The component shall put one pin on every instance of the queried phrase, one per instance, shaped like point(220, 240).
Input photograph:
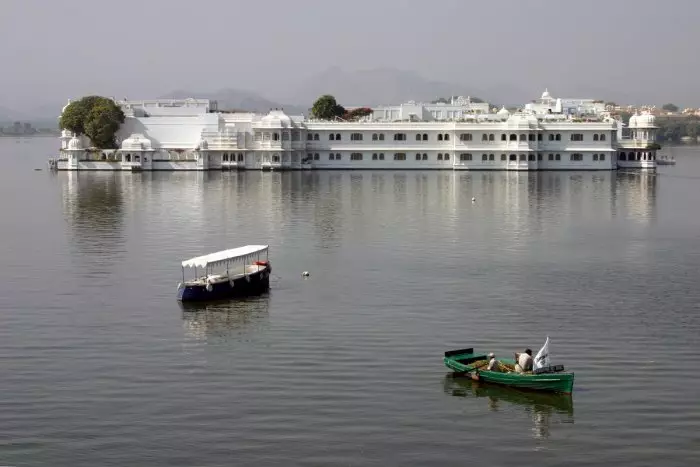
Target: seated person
point(523, 361)
point(493, 363)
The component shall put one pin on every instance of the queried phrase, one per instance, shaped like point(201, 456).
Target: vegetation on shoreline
point(99, 118)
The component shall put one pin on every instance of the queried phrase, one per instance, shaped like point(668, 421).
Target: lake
point(101, 366)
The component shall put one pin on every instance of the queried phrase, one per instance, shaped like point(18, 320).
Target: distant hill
point(386, 86)
point(235, 99)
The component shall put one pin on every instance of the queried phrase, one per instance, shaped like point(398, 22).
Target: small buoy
point(473, 199)
point(305, 274)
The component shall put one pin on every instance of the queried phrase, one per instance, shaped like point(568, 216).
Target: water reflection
point(634, 194)
point(545, 409)
point(225, 319)
point(94, 207)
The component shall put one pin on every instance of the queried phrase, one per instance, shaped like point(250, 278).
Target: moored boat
point(245, 271)
point(665, 160)
point(551, 378)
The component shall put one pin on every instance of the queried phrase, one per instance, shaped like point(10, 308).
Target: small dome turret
point(503, 112)
point(137, 142)
point(633, 121)
point(646, 120)
point(276, 119)
point(75, 144)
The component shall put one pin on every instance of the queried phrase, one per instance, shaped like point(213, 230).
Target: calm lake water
point(101, 366)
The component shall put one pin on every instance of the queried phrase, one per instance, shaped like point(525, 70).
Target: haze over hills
point(379, 86)
point(236, 99)
point(370, 87)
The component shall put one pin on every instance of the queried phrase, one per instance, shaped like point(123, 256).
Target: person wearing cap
point(524, 361)
point(493, 363)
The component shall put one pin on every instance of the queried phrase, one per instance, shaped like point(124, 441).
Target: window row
point(440, 137)
point(638, 156)
point(275, 136)
point(226, 157)
point(465, 157)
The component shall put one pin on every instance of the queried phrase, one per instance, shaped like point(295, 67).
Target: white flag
point(542, 357)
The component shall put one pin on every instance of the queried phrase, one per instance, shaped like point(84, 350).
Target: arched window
point(374, 137)
point(440, 156)
point(503, 137)
point(595, 137)
point(381, 137)
point(523, 137)
point(418, 157)
point(558, 137)
point(602, 137)
point(551, 137)
point(440, 137)
point(337, 136)
point(513, 157)
point(623, 156)
point(425, 136)
point(447, 137)
point(513, 137)
point(316, 137)
point(484, 137)
point(492, 137)
point(331, 137)
point(275, 136)
point(425, 157)
point(418, 137)
point(522, 157)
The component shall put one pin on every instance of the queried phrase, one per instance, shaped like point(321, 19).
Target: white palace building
point(546, 134)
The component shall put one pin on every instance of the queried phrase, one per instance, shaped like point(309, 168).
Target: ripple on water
point(101, 365)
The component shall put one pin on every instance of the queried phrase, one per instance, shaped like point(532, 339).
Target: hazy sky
point(52, 50)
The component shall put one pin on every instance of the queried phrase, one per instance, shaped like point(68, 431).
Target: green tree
point(96, 117)
point(670, 107)
point(327, 108)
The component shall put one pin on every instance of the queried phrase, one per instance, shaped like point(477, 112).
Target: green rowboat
point(468, 362)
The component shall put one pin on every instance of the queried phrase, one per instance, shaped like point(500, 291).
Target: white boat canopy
point(222, 257)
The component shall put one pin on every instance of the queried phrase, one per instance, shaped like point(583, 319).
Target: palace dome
point(546, 95)
point(75, 144)
point(137, 142)
point(520, 120)
point(503, 112)
point(276, 119)
point(645, 120)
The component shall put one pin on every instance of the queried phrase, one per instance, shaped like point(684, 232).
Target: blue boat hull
point(256, 283)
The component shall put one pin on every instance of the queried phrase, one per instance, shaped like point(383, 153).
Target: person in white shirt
point(493, 363)
point(524, 361)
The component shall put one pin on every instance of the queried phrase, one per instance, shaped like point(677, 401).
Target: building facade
point(192, 134)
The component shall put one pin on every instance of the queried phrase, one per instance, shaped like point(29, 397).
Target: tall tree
point(670, 107)
point(327, 108)
point(97, 117)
